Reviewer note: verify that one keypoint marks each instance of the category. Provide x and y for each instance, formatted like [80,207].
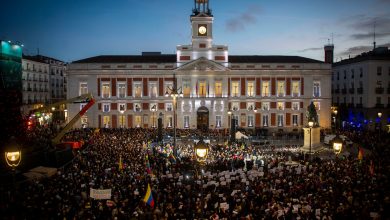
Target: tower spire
[374,34]
[201,6]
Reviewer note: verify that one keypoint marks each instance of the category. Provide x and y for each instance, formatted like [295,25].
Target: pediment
[202,64]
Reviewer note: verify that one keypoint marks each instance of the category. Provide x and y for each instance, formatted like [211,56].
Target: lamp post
[379,123]
[174,92]
[335,118]
[311,123]
[337,145]
[13,155]
[201,150]
[232,126]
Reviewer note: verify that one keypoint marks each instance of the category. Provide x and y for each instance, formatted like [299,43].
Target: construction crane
[85,98]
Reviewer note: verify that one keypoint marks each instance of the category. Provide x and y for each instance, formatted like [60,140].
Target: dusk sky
[73,29]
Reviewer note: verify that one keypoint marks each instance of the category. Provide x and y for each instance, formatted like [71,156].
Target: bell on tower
[201,6]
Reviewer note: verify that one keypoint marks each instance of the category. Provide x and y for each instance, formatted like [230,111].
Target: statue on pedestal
[311,114]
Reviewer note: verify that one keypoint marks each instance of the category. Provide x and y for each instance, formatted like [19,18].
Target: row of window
[352,100]
[265,106]
[250,120]
[379,71]
[202,89]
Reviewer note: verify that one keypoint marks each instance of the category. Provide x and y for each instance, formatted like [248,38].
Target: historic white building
[262,91]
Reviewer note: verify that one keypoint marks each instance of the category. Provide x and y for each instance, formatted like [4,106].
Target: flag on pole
[148,169]
[120,163]
[360,154]
[148,199]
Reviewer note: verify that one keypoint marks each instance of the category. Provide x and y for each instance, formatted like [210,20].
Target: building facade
[44,82]
[270,92]
[361,89]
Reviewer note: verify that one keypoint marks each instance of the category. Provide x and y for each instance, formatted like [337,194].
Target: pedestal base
[314,138]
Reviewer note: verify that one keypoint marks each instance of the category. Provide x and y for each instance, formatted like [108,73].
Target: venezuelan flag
[148,199]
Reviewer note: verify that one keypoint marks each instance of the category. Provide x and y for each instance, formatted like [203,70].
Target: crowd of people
[236,182]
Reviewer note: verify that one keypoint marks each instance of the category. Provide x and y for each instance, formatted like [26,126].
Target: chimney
[329,53]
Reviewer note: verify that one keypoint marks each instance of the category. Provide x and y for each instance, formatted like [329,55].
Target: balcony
[379,90]
[337,91]
[351,105]
[360,90]
[377,105]
[344,91]
[351,90]
[359,105]
[29,89]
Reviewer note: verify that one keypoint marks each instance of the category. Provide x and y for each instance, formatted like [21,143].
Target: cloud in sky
[310,49]
[243,19]
[369,35]
[353,51]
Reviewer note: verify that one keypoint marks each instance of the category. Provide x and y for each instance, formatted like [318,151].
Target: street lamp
[380,123]
[174,92]
[311,124]
[13,155]
[201,150]
[232,126]
[337,145]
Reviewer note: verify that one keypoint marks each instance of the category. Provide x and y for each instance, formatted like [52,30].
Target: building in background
[12,123]
[361,89]
[268,92]
[44,82]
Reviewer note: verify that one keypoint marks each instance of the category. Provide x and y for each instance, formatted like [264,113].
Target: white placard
[100,193]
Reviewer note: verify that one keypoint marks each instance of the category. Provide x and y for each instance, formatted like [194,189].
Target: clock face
[202,30]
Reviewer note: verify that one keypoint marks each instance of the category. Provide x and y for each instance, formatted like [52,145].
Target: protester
[235,182]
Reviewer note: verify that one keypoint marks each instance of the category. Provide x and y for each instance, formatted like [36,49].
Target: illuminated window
[250,106]
[153,119]
[202,89]
[137,90]
[153,90]
[83,88]
[138,121]
[122,107]
[137,107]
[316,89]
[186,121]
[169,107]
[280,105]
[121,90]
[265,106]
[250,120]
[265,88]
[170,121]
[106,107]
[84,121]
[168,87]
[122,121]
[295,106]
[280,121]
[251,89]
[186,88]
[218,121]
[235,106]
[218,89]
[295,120]
[106,91]
[153,107]
[235,86]
[106,121]
[295,88]
[265,120]
[281,88]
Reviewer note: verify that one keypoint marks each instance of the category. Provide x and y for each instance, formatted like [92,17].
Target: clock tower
[202,37]
[202,23]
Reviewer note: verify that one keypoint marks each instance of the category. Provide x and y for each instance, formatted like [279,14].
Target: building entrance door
[203,118]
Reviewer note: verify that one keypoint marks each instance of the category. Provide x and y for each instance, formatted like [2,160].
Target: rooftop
[171,58]
[380,53]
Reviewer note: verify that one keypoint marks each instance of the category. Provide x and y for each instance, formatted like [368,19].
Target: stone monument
[312,141]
